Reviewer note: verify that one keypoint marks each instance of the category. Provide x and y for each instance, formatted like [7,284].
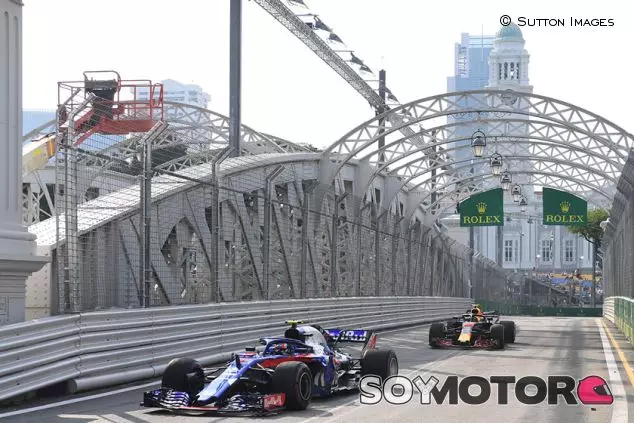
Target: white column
[17,259]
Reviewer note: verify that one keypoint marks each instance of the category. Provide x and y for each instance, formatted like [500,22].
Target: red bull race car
[473,329]
[306,362]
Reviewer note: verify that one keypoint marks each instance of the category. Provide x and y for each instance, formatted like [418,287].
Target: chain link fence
[149,215]
[618,240]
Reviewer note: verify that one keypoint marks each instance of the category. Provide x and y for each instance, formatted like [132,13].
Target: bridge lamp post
[496,164]
[478,143]
[516,192]
[523,204]
[506,181]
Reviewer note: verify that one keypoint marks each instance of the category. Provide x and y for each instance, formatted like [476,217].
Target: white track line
[619,408]
[76,400]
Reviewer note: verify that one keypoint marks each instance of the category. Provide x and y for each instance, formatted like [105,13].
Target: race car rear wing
[357,336]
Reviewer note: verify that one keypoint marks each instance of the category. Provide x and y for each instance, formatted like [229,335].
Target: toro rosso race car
[473,329]
[307,362]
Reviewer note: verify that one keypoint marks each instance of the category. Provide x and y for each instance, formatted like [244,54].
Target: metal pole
[594,273]
[235,75]
[145,206]
[303,275]
[215,223]
[267,232]
[472,262]
[377,256]
[267,227]
[359,254]
[381,110]
[499,241]
[71,201]
[333,248]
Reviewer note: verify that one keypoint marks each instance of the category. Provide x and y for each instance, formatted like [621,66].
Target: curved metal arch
[439,165]
[445,132]
[589,167]
[405,182]
[453,176]
[483,177]
[478,101]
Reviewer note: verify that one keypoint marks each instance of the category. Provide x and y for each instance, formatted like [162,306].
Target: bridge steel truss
[259,240]
[567,147]
[190,126]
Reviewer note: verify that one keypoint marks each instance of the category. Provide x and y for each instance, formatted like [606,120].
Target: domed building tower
[508,61]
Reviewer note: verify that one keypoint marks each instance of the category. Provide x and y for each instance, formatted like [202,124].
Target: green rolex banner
[483,209]
[564,209]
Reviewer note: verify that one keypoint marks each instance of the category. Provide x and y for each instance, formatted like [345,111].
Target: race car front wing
[180,402]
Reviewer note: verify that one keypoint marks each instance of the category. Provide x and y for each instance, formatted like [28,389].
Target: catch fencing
[169,217]
[618,238]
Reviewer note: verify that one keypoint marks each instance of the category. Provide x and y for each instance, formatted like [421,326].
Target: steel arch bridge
[190,126]
[370,228]
[566,146]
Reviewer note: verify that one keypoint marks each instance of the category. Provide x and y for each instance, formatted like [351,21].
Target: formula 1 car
[286,374]
[473,329]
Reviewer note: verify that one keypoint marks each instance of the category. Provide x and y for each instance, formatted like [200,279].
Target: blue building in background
[471,72]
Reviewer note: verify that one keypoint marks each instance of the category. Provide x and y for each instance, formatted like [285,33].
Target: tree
[593,233]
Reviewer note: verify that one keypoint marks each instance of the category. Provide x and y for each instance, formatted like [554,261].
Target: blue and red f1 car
[473,329]
[286,374]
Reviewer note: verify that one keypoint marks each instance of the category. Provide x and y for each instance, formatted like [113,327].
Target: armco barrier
[621,313]
[524,310]
[99,349]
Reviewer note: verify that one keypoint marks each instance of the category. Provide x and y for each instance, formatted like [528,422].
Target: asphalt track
[577,347]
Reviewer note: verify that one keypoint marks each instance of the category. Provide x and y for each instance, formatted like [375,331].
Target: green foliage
[592,232]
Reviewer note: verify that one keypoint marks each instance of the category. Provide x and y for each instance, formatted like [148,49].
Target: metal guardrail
[100,349]
[608,309]
[620,311]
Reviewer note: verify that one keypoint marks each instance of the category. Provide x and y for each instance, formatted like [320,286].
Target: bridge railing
[99,349]
[174,224]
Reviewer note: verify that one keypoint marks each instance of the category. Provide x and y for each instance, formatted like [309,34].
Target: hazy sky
[287,90]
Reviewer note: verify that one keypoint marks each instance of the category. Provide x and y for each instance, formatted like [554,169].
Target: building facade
[471,72]
[526,244]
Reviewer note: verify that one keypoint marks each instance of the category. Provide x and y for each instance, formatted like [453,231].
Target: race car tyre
[382,363]
[184,375]
[436,331]
[295,380]
[497,334]
[509,331]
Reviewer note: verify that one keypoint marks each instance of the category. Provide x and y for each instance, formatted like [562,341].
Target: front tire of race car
[509,331]
[382,363]
[497,335]
[295,381]
[436,332]
[184,375]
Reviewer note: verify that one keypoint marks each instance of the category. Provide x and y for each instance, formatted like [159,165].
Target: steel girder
[542,152]
[485,182]
[300,30]
[560,123]
[205,132]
